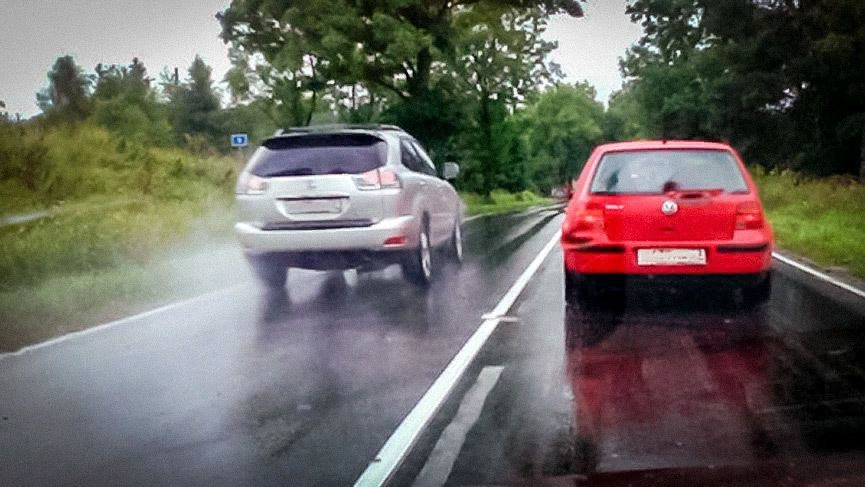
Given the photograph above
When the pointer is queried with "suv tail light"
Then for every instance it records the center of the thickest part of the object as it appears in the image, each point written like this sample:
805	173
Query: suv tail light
251	184
377	179
587	219
749	216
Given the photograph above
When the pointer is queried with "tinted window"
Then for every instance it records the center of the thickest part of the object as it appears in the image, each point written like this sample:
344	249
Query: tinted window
319	154
426	164
658	171
410	159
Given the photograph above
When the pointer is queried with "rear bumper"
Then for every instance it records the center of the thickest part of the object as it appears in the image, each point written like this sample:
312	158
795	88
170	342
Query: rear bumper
682	281
722	259
368	238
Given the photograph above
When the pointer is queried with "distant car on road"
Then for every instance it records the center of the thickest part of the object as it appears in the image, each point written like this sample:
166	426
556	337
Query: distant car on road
665	212
342	197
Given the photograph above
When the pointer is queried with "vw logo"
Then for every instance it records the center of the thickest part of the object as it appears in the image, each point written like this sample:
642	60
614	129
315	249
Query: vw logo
669	207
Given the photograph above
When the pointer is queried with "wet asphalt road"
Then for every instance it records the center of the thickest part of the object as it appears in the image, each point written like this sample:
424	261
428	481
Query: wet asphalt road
677	389
241	387
244	388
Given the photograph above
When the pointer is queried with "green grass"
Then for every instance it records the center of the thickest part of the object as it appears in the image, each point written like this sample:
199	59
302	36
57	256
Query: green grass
820	219
502	202
117	208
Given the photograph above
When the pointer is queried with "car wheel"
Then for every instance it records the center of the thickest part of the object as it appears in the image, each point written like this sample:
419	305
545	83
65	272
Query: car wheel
756	296
417	266
269	271
593	295
578	291
456	242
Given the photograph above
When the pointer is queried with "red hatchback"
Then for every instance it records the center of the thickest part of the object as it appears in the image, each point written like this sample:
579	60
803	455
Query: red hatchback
680	213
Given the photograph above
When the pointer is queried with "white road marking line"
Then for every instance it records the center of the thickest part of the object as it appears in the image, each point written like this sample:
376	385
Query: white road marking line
397	447
121	321
438	466
819	274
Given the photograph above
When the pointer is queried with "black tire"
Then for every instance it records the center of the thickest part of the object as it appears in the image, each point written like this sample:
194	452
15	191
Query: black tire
417	265
269	271
573	289
455	246
758	295
592	295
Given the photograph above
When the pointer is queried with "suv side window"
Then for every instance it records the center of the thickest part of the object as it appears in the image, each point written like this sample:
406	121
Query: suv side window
410	159
427	166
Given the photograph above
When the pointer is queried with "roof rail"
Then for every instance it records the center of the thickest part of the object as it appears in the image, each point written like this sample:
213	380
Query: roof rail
338	126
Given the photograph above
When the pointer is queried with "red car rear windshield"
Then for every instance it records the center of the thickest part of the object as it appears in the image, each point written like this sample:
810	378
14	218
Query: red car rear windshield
660	171
310	155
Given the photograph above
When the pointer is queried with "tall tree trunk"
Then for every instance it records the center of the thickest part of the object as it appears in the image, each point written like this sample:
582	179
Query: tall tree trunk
862	159
312	104
419	84
487	162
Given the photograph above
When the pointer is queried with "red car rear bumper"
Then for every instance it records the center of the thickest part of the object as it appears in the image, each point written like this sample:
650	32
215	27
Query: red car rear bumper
722	258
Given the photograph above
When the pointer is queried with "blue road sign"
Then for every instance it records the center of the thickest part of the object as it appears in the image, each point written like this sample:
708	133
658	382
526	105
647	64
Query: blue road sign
239	140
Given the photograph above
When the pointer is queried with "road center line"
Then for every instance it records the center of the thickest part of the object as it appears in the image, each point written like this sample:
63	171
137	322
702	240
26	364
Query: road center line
441	461
397	447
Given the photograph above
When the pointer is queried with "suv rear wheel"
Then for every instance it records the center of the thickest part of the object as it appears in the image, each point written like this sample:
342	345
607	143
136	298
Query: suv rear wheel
456	242
417	266
269	271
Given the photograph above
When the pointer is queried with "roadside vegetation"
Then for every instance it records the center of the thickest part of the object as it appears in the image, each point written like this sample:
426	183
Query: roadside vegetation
123	163
502	202
822	219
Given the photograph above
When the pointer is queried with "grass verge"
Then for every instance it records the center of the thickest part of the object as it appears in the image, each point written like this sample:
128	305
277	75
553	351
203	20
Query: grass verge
820	219
502	202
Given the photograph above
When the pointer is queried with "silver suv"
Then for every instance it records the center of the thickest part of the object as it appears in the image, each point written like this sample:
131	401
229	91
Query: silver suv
343	197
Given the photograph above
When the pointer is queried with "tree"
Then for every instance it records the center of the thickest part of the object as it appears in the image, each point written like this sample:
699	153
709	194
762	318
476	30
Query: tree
626	118
783	81
378	43
195	102
501	58
68	91
124	101
561	127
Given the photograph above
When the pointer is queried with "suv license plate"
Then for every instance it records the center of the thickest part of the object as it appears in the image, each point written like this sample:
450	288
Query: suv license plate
671	257
322	205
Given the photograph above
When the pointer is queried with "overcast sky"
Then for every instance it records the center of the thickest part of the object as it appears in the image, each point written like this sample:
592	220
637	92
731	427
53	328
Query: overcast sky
170	32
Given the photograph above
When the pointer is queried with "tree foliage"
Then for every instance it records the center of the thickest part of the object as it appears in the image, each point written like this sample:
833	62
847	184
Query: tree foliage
561	128
782	80
68	91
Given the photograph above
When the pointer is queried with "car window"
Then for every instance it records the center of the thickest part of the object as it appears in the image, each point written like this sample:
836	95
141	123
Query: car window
427	165
410	158
319	154
658	171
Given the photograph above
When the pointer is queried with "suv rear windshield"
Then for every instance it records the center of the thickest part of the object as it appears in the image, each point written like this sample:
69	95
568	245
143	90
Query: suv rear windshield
309	155
659	171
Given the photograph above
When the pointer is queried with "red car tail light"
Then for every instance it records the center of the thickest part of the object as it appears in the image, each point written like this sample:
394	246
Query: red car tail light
749	216
377	179
587	219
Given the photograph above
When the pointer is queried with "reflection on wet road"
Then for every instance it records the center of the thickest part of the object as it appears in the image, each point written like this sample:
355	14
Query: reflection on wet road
674	389
242	387
303	387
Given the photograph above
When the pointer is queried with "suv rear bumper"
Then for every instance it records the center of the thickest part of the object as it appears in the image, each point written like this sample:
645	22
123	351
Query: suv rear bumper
368	238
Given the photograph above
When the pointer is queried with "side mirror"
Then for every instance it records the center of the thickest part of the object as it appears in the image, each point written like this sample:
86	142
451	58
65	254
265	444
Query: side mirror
450	170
